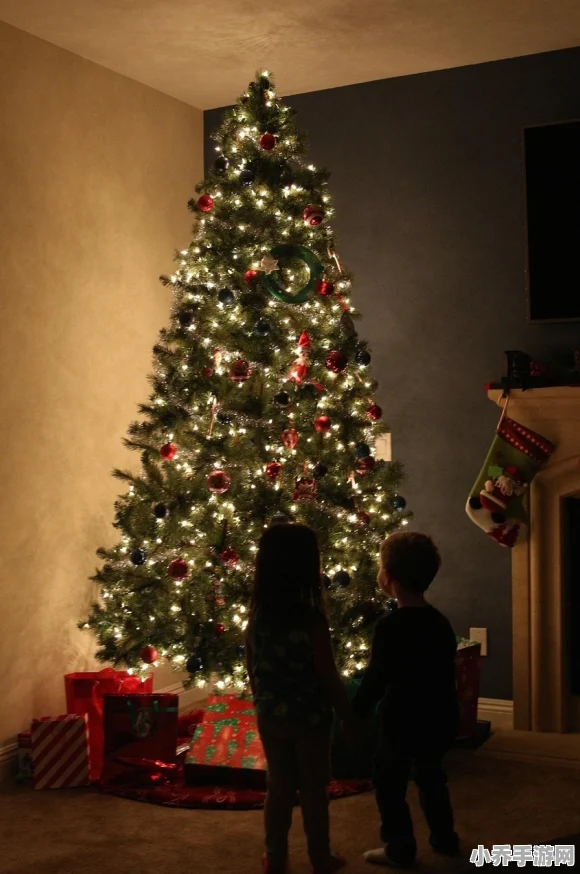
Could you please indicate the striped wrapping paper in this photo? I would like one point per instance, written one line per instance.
(60, 751)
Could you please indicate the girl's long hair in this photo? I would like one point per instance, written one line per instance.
(288, 577)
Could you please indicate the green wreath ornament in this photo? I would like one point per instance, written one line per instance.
(273, 281)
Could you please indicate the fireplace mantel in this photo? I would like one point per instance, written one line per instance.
(542, 701)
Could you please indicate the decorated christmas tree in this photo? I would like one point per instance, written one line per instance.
(262, 412)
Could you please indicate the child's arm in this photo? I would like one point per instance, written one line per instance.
(326, 669)
(372, 687)
(250, 665)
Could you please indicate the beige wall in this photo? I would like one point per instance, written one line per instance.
(95, 174)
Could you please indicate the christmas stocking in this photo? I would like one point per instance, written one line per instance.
(496, 501)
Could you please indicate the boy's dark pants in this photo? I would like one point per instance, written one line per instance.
(397, 760)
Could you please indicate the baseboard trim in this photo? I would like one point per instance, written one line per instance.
(498, 711)
(188, 698)
(8, 753)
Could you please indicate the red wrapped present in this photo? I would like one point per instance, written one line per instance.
(468, 669)
(24, 753)
(228, 707)
(140, 736)
(226, 746)
(60, 751)
(84, 694)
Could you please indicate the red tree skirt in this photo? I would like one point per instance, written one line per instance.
(155, 783)
(174, 793)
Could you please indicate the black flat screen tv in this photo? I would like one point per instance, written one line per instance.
(552, 214)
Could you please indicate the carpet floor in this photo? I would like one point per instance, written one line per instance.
(81, 831)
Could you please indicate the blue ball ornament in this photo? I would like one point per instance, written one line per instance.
(363, 358)
(342, 579)
(362, 450)
(226, 297)
(221, 165)
(263, 327)
(399, 503)
(247, 176)
(138, 557)
(194, 664)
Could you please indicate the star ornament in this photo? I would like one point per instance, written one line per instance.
(268, 264)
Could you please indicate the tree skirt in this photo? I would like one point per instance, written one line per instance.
(157, 783)
(174, 793)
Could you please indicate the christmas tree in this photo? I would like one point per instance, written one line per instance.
(262, 411)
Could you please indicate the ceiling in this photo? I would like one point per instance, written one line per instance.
(204, 53)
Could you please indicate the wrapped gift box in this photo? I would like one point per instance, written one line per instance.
(24, 753)
(226, 746)
(140, 735)
(84, 694)
(468, 671)
(60, 751)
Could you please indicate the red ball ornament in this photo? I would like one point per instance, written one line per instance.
(218, 482)
(325, 288)
(267, 142)
(148, 655)
(363, 517)
(322, 424)
(365, 465)
(250, 276)
(178, 569)
(313, 215)
(336, 361)
(207, 371)
(219, 629)
(289, 438)
(205, 203)
(229, 556)
(240, 370)
(273, 469)
(168, 451)
(374, 412)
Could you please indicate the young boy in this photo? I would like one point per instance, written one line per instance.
(412, 673)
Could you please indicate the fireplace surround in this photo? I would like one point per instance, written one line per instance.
(543, 696)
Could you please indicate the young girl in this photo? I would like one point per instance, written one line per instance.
(295, 686)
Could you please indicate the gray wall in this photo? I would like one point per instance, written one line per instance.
(427, 183)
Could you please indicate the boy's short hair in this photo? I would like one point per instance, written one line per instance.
(411, 559)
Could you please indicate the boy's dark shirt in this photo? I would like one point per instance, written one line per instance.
(412, 673)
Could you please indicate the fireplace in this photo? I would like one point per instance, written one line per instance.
(546, 569)
(571, 569)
